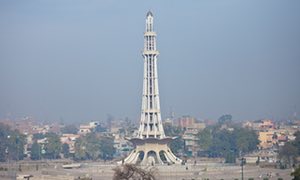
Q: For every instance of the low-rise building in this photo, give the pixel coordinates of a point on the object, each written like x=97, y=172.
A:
x=191, y=141
x=123, y=147
x=266, y=139
x=84, y=129
x=69, y=139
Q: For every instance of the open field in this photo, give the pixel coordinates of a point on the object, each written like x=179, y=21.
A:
x=104, y=171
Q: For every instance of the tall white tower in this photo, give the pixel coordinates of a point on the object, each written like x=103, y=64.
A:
x=150, y=125
x=151, y=144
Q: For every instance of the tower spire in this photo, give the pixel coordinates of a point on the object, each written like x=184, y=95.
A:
x=149, y=22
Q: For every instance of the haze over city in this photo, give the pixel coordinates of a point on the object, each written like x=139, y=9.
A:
x=81, y=60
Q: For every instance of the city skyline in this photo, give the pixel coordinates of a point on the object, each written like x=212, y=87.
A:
x=81, y=60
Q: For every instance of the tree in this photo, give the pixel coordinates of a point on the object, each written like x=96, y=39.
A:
x=37, y=136
x=69, y=129
x=93, y=146
x=65, y=150
x=290, y=150
x=205, y=139
x=172, y=130
x=11, y=143
x=100, y=128
x=296, y=142
x=87, y=147
x=53, y=146
x=288, y=153
x=35, y=151
x=107, y=148
x=16, y=145
x=227, y=118
x=132, y=172
x=296, y=174
x=80, y=149
x=176, y=145
x=224, y=144
x=247, y=140
x=218, y=142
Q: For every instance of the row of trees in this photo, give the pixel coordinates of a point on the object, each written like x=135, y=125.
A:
x=11, y=144
x=290, y=151
x=89, y=147
x=51, y=149
x=225, y=139
x=228, y=144
x=93, y=147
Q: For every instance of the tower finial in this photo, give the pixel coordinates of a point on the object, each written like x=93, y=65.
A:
x=149, y=13
x=149, y=21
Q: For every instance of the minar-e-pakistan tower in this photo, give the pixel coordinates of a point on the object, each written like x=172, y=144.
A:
x=151, y=144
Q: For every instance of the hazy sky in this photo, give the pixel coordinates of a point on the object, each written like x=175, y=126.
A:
x=80, y=60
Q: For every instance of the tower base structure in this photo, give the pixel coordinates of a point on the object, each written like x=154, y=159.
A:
x=151, y=151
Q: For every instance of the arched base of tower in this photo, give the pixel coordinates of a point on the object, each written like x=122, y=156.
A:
x=150, y=152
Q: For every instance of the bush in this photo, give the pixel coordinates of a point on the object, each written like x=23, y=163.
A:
x=132, y=172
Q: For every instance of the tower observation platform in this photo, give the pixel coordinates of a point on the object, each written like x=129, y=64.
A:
x=151, y=143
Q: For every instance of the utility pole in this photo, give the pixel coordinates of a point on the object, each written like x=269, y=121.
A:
x=243, y=162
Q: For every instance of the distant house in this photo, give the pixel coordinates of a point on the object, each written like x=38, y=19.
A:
x=191, y=141
x=84, y=129
x=261, y=125
x=266, y=139
x=122, y=146
x=69, y=139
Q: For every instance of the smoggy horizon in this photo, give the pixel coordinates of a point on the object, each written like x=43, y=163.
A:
x=81, y=60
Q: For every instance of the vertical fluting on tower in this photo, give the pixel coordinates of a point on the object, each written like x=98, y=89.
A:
x=151, y=144
x=150, y=124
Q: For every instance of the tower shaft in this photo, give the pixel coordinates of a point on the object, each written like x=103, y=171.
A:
x=150, y=124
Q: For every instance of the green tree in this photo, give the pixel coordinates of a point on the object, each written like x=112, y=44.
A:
x=224, y=145
x=87, y=147
x=11, y=143
x=66, y=150
x=296, y=142
x=93, y=147
x=107, y=148
x=296, y=174
x=288, y=153
x=35, y=151
x=205, y=139
x=227, y=118
x=227, y=143
x=53, y=146
x=176, y=145
x=38, y=136
x=69, y=129
x=172, y=130
x=247, y=140
x=80, y=149
x=100, y=128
